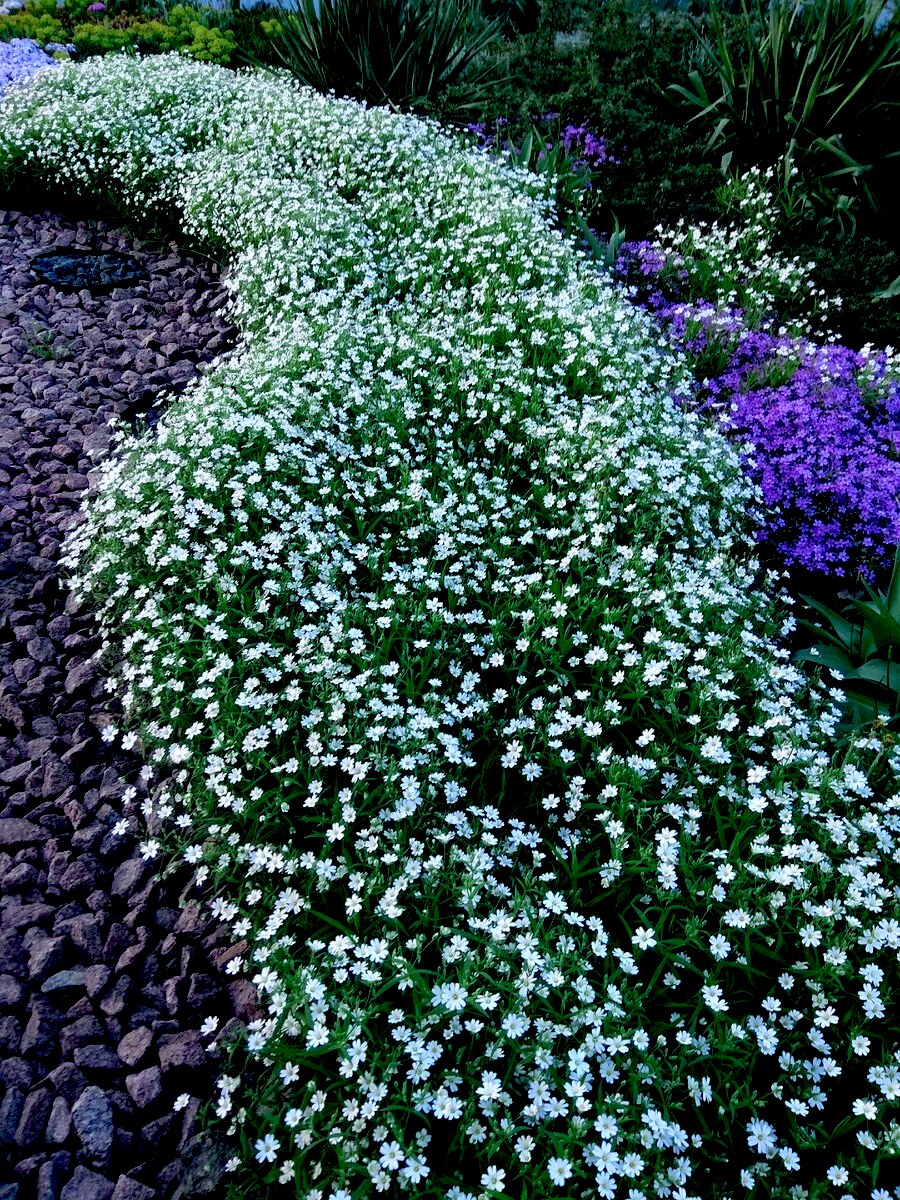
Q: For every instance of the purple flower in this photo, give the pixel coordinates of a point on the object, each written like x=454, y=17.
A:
x=20, y=59
x=580, y=140
x=821, y=424
x=97, y=6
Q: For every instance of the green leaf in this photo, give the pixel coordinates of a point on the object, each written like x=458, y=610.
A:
x=843, y=628
x=830, y=657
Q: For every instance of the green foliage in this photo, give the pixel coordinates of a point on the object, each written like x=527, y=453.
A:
x=185, y=29
x=571, y=180
x=92, y=38
x=41, y=8
x=198, y=31
x=210, y=44
x=860, y=270
x=813, y=83
x=863, y=647
x=41, y=28
x=616, y=79
x=517, y=16
x=409, y=54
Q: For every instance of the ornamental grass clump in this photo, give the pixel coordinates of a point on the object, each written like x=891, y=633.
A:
x=439, y=625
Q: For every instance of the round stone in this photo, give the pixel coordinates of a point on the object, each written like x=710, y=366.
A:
x=75, y=269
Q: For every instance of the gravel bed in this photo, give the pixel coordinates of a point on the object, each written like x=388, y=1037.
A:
x=106, y=972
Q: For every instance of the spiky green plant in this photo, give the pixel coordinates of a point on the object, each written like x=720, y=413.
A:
x=863, y=647
x=407, y=54
x=817, y=81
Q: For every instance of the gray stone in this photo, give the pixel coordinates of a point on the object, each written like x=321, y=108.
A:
x=202, y=1166
x=16, y=831
x=87, y=1185
x=93, y=1120
x=34, y=1116
x=181, y=1051
x=10, y=1113
x=70, y=980
x=46, y=955
x=130, y=1189
x=97, y=1058
x=59, y=1124
x=52, y=1175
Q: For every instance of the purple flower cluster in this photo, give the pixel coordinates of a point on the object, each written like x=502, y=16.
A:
x=822, y=423
x=585, y=149
x=19, y=59
x=583, y=144
x=825, y=446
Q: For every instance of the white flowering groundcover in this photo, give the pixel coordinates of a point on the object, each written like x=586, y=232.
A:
x=439, y=621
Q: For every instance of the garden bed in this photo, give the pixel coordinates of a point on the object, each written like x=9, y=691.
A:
x=440, y=621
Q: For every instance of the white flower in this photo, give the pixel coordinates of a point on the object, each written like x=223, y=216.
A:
x=493, y=1179
x=559, y=1170
x=266, y=1148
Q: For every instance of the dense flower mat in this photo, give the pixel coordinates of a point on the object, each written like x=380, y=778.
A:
x=442, y=621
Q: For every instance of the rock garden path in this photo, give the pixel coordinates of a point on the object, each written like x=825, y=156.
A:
x=106, y=972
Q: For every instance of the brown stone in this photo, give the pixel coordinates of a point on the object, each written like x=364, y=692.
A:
x=145, y=1086
x=134, y=1045
x=179, y=1051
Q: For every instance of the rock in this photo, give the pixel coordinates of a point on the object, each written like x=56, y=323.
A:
x=202, y=1165
x=46, y=955
x=68, y=1081
x=79, y=878
x=181, y=1051
x=59, y=1123
x=134, y=1045
x=131, y=1189
x=244, y=1000
x=11, y=1107
x=34, y=1116
x=117, y=940
x=13, y=959
x=96, y=978
x=144, y=1087
x=71, y=980
x=93, y=1120
x=57, y=777
x=97, y=1058
x=188, y=1121
x=40, y=1032
x=87, y=1185
x=114, y=1000
x=16, y=831
x=79, y=678
x=25, y=916
x=81, y=1032
x=41, y=649
x=201, y=990
x=12, y=992
x=158, y=1131
x=52, y=1175
x=128, y=876
x=85, y=934
x=10, y=1034
x=17, y=1073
